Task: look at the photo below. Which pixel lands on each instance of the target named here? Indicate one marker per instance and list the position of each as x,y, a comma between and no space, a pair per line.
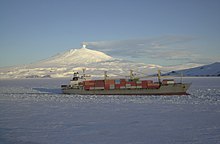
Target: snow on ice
35,112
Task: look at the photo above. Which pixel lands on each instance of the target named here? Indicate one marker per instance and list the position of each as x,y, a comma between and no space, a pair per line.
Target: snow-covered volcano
64,64
95,63
74,56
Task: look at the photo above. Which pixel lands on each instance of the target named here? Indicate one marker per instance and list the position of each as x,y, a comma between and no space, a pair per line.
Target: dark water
35,112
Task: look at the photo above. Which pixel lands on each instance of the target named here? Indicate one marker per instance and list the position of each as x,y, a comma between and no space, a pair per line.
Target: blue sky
164,32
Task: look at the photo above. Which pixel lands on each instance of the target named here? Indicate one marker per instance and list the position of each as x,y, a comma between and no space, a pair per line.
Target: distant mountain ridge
206,70
95,63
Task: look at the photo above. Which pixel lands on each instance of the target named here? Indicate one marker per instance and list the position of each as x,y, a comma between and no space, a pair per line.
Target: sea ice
36,112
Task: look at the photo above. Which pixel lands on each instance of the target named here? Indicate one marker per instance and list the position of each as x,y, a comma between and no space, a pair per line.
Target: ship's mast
181,80
84,70
75,76
105,75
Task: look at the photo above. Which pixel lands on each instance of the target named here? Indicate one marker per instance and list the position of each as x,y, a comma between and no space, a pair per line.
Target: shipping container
133,87
109,81
99,82
147,81
153,86
107,86
117,86
99,85
89,83
92,88
144,86
132,83
117,81
139,86
87,87
138,82
122,82
99,88
122,87
128,85
112,86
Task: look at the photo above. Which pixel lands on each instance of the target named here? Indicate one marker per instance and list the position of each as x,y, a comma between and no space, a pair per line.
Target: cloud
169,48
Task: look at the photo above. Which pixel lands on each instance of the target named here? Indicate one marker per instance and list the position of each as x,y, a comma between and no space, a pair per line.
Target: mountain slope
64,64
95,62
207,70
74,56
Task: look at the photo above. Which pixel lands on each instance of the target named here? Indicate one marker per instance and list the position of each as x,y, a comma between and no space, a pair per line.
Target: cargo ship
131,86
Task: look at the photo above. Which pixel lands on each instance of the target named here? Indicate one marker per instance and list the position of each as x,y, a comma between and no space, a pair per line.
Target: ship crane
159,76
84,76
105,75
131,74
